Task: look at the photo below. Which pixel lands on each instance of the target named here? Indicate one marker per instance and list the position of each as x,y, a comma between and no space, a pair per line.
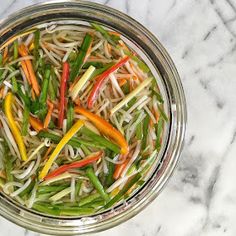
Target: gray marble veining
200,199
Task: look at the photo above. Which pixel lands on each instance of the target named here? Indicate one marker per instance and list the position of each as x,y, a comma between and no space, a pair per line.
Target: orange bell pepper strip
24,67
106,128
13,126
1,92
30,71
36,124
49,114
5,55
122,82
45,157
120,167
114,33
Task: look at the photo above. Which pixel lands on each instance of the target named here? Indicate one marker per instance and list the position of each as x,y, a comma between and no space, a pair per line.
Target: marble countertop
200,199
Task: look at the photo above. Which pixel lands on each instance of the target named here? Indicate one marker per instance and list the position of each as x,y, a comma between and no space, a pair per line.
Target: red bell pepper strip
100,79
106,128
64,79
88,160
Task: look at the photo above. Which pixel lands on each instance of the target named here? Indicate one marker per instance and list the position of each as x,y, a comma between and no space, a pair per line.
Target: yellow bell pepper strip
73,130
14,129
105,128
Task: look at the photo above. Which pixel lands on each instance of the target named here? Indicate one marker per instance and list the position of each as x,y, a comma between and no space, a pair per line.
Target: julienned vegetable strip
158,96
97,138
36,124
104,32
63,210
26,72
49,114
8,167
159,128
44,92
36,44
101,78
64,79
29,69
88,160
145,131
14,129
45,209
135,92
140,63
53,188
120,167
70,115
125,189
5,55
15,46
89,199
85,150
105,128
81,56
74,129
93,63
74,142
60,195
99,71
97,184
25,124
24,97
64,176
14,84
162,113
28,189
139,131
51,90
82,81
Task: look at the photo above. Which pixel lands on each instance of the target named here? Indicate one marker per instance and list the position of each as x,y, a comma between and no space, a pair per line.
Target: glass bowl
162,67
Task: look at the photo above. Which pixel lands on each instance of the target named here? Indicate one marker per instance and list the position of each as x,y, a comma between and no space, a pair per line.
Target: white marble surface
200,199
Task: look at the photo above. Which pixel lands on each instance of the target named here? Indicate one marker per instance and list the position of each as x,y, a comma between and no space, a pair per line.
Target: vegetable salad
82,119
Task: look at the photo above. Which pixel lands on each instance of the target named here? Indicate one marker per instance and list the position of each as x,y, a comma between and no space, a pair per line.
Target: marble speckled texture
200,199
